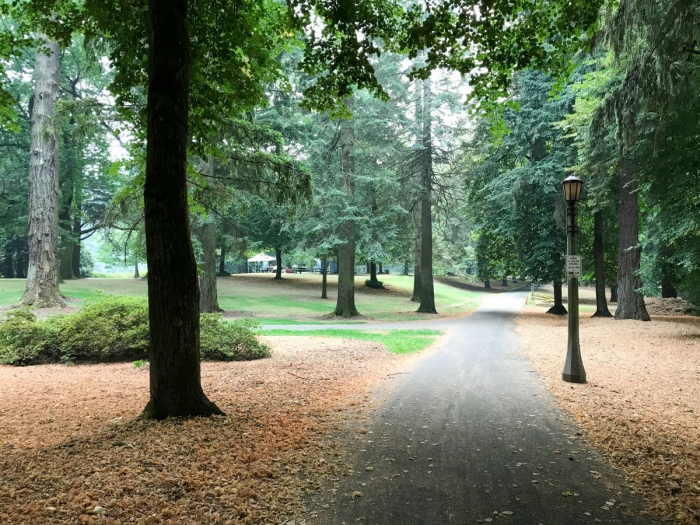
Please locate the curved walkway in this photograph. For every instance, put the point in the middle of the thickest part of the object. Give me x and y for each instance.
(472, 436)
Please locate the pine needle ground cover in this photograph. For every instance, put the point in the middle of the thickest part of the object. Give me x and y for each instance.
(641, 403)
(73, 451)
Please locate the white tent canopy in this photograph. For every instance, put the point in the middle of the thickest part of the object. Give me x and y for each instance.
(261, 257)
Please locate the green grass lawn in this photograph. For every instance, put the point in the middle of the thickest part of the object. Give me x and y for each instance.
(396, 341)
(294, 299)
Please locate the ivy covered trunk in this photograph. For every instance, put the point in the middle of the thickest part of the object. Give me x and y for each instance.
(558, 308)
(41, 290)
(630, 304)
(173, 291)
(208, 296)
(278, 261)
(324, 282)
(427, 293)
(601, 302)
(345, 304)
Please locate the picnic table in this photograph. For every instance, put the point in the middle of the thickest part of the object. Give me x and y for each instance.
(301, 269)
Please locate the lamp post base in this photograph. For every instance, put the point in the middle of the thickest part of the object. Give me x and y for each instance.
(574, 378)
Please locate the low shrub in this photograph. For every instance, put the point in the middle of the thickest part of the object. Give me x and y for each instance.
(112, 328)
(374, 284)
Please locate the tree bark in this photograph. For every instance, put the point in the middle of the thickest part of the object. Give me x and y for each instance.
(613, 293)
(173, 291)
(427, 292)
(136, 268)
(631, 303)
(558, 308)
(504, 281)
(599, 265)
(222, 261)
(324, 282)
(278, 261)
(77, 227)
(41, 289)
(208, 296)
(487, 284)
(417, 240)
(380, 269)
(668, 291)
(345, 304)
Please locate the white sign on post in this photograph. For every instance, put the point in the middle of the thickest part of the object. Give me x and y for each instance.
(573, 266)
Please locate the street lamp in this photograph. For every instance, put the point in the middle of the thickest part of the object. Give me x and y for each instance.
(573, 366)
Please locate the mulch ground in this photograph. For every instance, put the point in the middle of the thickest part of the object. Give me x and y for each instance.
(72, 449)
(642, 400)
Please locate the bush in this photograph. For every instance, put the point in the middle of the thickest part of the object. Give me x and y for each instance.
(112, 328)
(233, 341)
(375, 284)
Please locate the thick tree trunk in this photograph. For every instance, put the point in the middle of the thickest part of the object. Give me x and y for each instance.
(427, 293)
(324, 282)
(631, 303)
(41, 289)
(345, 304)
(278, 261)
(208, 296)
(487, 284)
(613, 293)
(599, 265)
(173, 292)
(222, 261)
(558, 308)
(373, 281)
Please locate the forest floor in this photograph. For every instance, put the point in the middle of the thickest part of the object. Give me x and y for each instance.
(73, 451)
(641, 403)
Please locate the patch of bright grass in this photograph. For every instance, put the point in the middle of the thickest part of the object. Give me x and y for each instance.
(284, 321)
(396, 341)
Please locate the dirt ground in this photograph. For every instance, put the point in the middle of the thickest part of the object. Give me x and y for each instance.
(73, 451)
(642, 400)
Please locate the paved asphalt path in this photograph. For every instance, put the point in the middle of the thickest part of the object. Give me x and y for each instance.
(472, 436)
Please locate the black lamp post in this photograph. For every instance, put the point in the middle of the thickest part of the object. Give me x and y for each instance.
(573, 366)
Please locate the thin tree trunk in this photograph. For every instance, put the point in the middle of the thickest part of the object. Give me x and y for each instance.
(173, 292)
(599, 264)
(77, 227)
(208, 295)
(613, 293)
(427, 295)
(558, 308)
(381, 269)
(345, 304)
(136, 268)
(41, 289)
(324, 282)
(222, 261)
(418, 236)
(405, 268)
(504, 281)
(631, 303)
(278, 261)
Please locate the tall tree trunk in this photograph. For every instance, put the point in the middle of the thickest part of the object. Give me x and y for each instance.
(599, 264)
(613, 293)
(487, 284)
(380, 269)
(222, 260)
(631, 303)
(41, 289)
(558, 308)
(345, 304)
(173, 292)
(136, 268)
(278, 261)
(77, 227)
(324, 282)
(208, 295)
(418, 235)
(427, 293)
(373, 281)
(405, 268)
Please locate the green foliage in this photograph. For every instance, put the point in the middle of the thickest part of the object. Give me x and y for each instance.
(112, 328)
(229, 341)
